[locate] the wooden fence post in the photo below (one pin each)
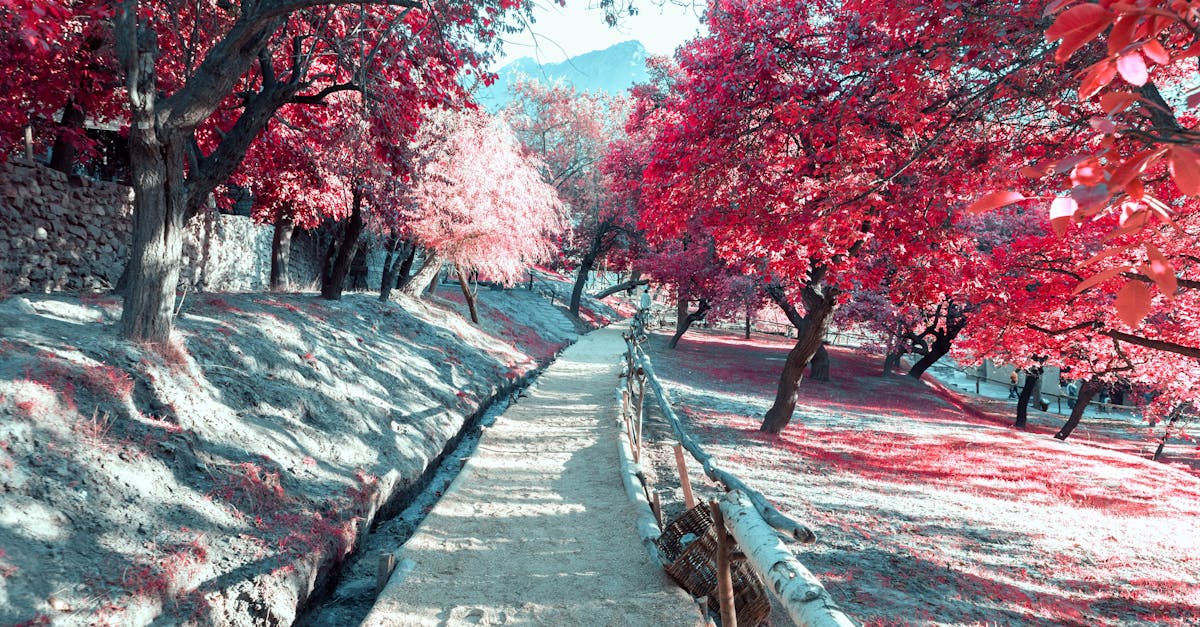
(688, 498)
(724, 576)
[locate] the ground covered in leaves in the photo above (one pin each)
(218, 480)
(929, 509)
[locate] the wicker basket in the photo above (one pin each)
(696, 521)
(694, 567)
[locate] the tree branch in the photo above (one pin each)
(1160, 345)
(1129, 338)
(319, 97)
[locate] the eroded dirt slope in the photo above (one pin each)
(218, 480)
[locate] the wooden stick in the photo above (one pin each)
(648, 527)
(688, 498)
(629, 434)
(387, 563)
(724, 576)
(656, 507)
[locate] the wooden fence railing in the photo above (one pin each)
(754, 523)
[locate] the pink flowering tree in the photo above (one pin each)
(479, 201)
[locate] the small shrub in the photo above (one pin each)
(6, 570)
(96, 299)
(270, 302)
(364, 492)
(94, 431)
(105, 379)
(172, 355)
(161, 577)
(221, 304)
(252, 490)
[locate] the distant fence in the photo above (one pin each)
(1061, 400)
(546, 288)
(743, 511)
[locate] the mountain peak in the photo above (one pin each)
(612, 70)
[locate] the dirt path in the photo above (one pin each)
(537, 529)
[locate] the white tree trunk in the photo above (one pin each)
(647, 524)
(807, 602)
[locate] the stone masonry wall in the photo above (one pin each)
(57, 234)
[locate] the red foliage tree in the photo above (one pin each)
(202, 83)
(1113, 293)
(814, 137)
(571, 132)
(67, 72)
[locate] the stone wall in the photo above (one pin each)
(224, 253)
(57, 234)
(60, 235)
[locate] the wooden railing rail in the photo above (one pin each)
(753, 522)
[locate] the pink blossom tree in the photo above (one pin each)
(479, 201)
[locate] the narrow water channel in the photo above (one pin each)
(353, 595)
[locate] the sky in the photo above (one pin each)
(563, 32)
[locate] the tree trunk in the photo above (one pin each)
(780, 413)
(332, 288)
(281, 253)
(634, 276)
(358, 268)
(1162, 443)
(62, 157)
(402, 275)
(1086, 392)
(936, 352)
(467, 294)
(334, 232)
(387, 277)
(684, 319)
(810, 335)
(820, 364)
(681, 321)
(626, 286)
(158, 145)
(431, 289)
(156, 249)
(425, 275)
(159, 201)
(749, 321)
(890, 363)
(396, 265)
(581, 276)
(1032, 379)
